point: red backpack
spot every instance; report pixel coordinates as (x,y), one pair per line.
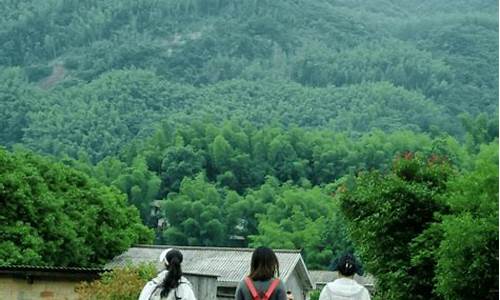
(267,294)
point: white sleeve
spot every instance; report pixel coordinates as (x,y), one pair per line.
(366,294)
(190,293)
(150,287)
(147,291)
(187,291)
(324,294)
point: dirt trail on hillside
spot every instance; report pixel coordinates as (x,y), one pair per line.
(58,73)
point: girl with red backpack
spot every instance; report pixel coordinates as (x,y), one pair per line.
(262,283)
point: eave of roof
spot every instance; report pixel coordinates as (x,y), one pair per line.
(52,268)
(30,272)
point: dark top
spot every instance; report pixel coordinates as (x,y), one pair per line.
(242,292)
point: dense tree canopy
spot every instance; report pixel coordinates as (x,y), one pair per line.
(53,215)
(426,226)
(470,233)
(89,76)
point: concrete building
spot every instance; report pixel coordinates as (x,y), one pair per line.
(229,265)
(45,283)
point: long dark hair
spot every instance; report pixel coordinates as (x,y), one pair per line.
(264,265)
(174,259)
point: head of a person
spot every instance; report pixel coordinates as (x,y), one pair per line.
(172,258)
(264,264)
(347,265)
(289,295)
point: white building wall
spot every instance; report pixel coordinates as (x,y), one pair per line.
(204,287)
(293,285)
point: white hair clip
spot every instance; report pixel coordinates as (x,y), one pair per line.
(163,256)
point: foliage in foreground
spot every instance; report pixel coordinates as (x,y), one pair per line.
(118,284)
(314,295)
(469,249)
(426,230)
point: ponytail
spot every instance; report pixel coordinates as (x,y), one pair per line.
(172,280)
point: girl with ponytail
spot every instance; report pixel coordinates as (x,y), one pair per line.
(169,284)
(345,287)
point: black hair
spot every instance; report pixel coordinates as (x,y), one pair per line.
(174,259)
(347,265)
(264,264)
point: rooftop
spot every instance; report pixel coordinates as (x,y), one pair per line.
(323,277)
(229,264)
(51,268)
(30,272)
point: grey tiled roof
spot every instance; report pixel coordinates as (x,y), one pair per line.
(323,277)
(229,264)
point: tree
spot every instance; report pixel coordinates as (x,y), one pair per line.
(58,216)
(180,162)
(470,233)
(16,101)
(196,214)
(221,152)
(386,213)
(302,218)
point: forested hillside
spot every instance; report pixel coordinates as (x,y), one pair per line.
(343,65)
(251,122)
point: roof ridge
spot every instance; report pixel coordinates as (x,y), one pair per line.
(55,268)
(210,248)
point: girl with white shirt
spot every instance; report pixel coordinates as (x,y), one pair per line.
(169,284)
(345,287)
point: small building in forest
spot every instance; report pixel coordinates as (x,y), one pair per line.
(229,265)
(41,282)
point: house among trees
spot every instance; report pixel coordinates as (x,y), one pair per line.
(155,216)
(230,265)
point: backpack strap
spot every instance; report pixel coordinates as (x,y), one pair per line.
(271,289)
(251,288)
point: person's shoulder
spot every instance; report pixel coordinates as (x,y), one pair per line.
(281,285)
(185,283)
(184,280)
(160,277)
(281,290)
(242,283)
(366,293)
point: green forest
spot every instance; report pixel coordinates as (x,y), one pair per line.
(322,125)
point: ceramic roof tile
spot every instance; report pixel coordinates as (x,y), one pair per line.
(229,264)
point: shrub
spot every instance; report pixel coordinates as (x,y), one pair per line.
(122,284)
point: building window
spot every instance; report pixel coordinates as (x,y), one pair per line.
(226,291)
